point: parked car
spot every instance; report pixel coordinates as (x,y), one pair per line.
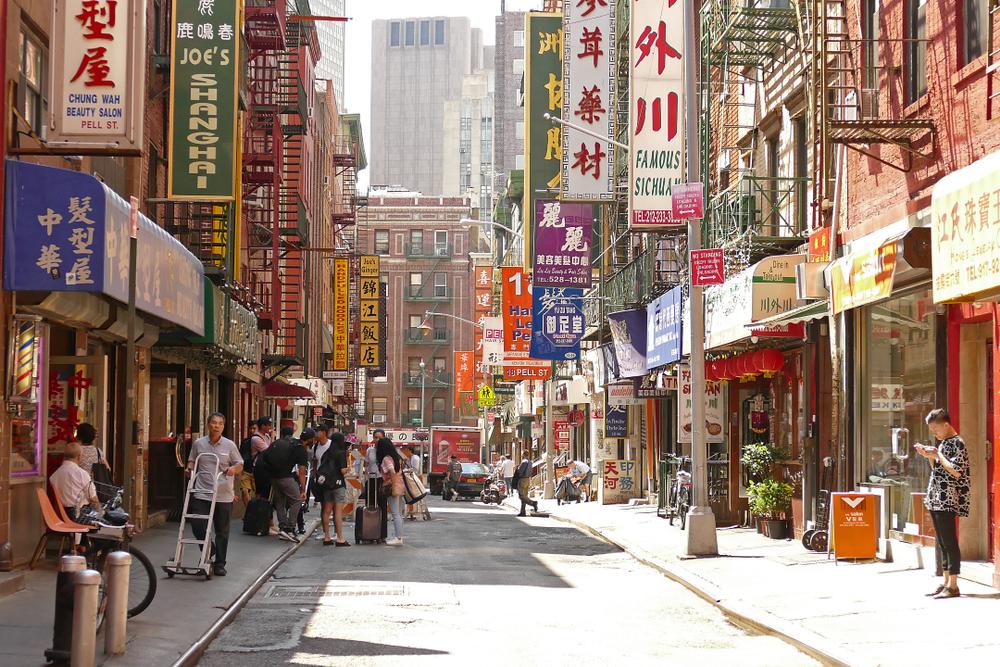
(474,476)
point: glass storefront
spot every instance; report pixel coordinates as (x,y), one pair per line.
(895,390)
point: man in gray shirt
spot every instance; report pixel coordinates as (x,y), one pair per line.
(230,464)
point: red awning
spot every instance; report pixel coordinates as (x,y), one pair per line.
(281,390)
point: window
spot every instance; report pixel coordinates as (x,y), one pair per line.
(31,100)
(870,35)
(394,33)
(382,242)
(410,27)
(416,280)
(159,43)
(415,322)
(441,242)
(439,411)
(975,29)
(380,407)
(518,65)
(440,365)
(519,38)
(896,390)
(413,406)
(439,32)
(440,284)
(425,33)
(416,242)
(916,50)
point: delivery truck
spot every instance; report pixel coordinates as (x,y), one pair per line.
(465,442)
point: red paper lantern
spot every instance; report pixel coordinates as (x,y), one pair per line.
(725,370)
(745,368)
(769,362)
(712,371)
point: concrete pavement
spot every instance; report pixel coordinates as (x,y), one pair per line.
(479,586)
(854,614)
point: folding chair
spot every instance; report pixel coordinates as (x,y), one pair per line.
(53,526)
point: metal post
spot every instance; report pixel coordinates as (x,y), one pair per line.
(82,653)
(423,384)
(701,537)
(62,624)
(118,564)
(550,471)
(128,449)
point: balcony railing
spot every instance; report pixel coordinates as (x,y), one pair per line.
(428,250)
(764,208)
(433,379)
(427,293)
(418,336)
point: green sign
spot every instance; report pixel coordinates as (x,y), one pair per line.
(543,94)
(205,38)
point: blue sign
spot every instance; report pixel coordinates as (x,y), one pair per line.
(557,324)
(616,421)
(663,323)
(628,334)
(65,231)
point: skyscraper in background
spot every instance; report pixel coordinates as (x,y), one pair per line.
(508,111)
(331,44)
(418,64)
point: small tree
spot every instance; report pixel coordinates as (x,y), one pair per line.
(770,499)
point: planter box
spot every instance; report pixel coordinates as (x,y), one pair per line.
(776,530)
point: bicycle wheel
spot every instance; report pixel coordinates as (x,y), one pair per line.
(141,582)
(672,505)
(682,507)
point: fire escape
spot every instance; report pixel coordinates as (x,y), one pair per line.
(276,175)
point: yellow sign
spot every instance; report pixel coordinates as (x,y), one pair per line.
(863,277)
(965,247)
(369,266)
(369,291)
(341,284)
(486,397)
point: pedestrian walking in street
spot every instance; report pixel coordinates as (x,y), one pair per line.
(507,468)
(207,480)
(391,465)
(947,495)
(373,489)
(582,475)
(454,476)
(285,460)
(73,483)
(522,478)
(331,484)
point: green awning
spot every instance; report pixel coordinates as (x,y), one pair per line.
(806,313)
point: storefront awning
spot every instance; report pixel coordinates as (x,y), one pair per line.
(867,276)
(964,243)
(66,231)
(276,389)
(800,315)
(740,307)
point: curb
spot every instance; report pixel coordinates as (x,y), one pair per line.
(194,653)
(744,615)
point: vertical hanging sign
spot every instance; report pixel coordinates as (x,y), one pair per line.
(98,73)
(543,94)
(562,244)
(464,371)
(341,284)
(370,337)
(483,308)
(588,164)
(656,112)
(204,74)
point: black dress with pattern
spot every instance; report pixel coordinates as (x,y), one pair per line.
(944,492)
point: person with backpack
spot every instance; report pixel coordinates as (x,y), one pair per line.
(285,459)
(93,463)
(331,485)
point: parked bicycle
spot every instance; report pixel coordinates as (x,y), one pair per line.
(679,499)
(113,532)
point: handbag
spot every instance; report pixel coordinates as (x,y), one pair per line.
(413,488)
(100,474)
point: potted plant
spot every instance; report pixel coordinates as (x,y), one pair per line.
(771,500)
(758,465)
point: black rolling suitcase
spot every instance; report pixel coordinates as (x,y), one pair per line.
(257,518)
(368,519)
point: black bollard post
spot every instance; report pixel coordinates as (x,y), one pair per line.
(62,626)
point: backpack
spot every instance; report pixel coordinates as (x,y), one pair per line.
(100,473)
(246,451)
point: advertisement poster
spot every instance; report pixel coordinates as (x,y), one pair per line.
(855,525)
(619,481)
(558,323)
(663,321)
(589,89)
(562,244)
(616,421)
(628,331)
(714,407)
(463,444)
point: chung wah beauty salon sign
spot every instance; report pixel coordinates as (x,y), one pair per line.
(98,74)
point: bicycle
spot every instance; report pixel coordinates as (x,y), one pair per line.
(679,499)
(113,532)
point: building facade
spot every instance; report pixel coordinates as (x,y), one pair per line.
(423,243)
(332,45)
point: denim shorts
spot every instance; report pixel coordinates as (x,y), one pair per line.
(338,495)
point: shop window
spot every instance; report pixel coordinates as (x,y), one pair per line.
(916,50)
(975,29)
(896,390)
(32,67)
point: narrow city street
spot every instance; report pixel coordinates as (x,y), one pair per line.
(479,585)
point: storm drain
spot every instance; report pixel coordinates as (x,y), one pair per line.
(293,593)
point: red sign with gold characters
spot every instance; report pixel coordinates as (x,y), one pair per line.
(819,245)
(464,373)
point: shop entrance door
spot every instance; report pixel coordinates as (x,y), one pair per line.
(169,435)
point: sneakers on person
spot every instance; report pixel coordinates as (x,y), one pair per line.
(394,542)
(219,571)
(947,593)
(284,535)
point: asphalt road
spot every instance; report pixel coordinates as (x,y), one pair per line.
(477,585)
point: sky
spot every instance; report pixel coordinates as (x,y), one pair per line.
(357,59)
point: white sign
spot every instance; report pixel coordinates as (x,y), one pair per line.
(619,481)
(714,407)
(656,112)
(588,95)
(623,394)
(338,388)
(403,436)
(492,340)
(98,73)
(888,398)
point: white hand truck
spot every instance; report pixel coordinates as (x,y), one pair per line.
(204,565)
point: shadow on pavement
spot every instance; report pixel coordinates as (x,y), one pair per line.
(351,647)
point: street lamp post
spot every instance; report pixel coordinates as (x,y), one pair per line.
(423,384)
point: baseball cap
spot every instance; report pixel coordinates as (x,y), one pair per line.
(307,434)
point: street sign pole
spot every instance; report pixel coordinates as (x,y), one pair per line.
(701,535)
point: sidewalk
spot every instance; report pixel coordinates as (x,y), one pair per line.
(182,611)
(855,614)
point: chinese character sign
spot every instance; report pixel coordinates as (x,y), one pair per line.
(464,375)
(97,87)
(619,481)
(341,285)
(656,130)
(493,354)
(204,39)
(616,421)
(589,63)
(562,244)
(543,94)
(714,407)
(558,323)
(663,324)
(370,315)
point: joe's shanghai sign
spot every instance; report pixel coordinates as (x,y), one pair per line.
(204,51)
